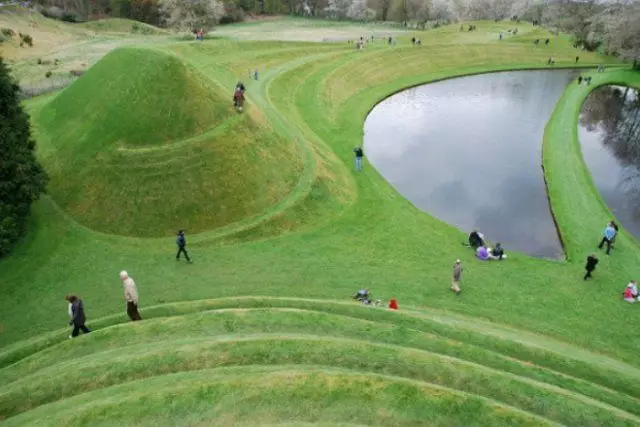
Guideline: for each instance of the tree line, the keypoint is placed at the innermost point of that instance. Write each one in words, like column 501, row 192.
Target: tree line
column 613, row 26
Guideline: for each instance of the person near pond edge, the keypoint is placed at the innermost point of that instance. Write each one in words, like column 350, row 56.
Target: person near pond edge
column 476, row 239
column 78, row 318
column 592, row 261
column 615, row 226
column 359, row 156
column 457, row 277
column 181, row 241
column 482, row 253
column 497, row 252
column 607, row 237
column 130, row 295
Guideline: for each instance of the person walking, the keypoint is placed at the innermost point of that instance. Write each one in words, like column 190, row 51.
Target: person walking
column 181, row 241
column 615, row 227
column 457, row 276
column 359, row 156
column 592, row 261
column 607, row 237
column 130, row 295
column 78, row 318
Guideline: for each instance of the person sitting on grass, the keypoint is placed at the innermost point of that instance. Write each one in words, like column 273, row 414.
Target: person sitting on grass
column 497, row 252
column 361, row 295
column 482, row 253
column 393, row 304
column 628, row 294
column 475, row 239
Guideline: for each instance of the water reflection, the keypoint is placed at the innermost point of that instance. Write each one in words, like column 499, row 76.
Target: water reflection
column 610, row 139
column 468, row 151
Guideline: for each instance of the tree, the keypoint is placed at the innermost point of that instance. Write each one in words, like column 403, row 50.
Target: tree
column 622, row 30
column 385, row 5
column 358, row 10
column 337, row 9
column 417, row 10
column 192, row 14
column 22, row 179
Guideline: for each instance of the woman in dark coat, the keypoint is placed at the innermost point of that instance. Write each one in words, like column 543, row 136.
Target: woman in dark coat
column 77, row 316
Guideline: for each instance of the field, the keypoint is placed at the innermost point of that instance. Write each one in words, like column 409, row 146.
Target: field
column 260, row 329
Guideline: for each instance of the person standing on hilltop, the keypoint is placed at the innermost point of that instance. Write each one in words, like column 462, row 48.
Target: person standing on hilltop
column 181, row 241
column 130, row 295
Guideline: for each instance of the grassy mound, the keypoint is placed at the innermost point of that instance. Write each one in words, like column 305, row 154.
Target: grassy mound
column 133, row 98
column 152, row 146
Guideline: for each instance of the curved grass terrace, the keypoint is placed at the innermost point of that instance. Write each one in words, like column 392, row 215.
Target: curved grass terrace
column 260, row 329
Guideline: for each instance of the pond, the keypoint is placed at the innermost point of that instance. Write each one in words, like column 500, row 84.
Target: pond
column 469, row 151
column 609, row 133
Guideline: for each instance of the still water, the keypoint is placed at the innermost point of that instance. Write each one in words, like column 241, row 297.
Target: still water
column 609, row 135
column 468, row 151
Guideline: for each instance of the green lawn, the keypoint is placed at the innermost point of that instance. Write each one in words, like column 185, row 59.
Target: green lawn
column 276, row 213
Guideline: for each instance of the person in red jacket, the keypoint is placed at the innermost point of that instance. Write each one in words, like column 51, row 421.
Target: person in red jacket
column 393, row 304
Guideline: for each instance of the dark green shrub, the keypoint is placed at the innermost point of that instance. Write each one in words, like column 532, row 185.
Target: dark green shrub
column 48, row 74
column 69, row 17
column 26, row 39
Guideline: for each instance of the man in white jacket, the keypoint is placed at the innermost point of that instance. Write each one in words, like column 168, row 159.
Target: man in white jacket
column 131, row 296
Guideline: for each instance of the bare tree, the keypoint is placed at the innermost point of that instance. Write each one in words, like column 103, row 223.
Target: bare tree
column 358, row 10
column 384, row 5
column 622, row 29
column 441, row 10
column 191, row 14
column 418, row 10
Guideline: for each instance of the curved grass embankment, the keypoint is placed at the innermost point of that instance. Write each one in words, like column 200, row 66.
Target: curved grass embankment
column 320, row 335
column 277, row 345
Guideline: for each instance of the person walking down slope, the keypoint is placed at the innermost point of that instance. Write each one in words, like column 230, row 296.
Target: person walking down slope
column 592, row 261
column 359, row 156
column 78, row 318
column 181, row 241
column 457, row 276
column 130, row 295
column 607, row 237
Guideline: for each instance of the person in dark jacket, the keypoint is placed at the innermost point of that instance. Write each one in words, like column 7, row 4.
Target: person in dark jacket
column 78, row 318
column 591, row 265
column 181, row 241
column 475, row 240
column 359, row 156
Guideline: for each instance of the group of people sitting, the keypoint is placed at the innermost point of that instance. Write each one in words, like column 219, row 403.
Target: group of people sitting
column 483, row 252
column 365, row 298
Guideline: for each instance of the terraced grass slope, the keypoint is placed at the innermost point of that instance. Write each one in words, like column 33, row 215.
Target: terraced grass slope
column 260, row 329
column 142, row 145
column 269, row 361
